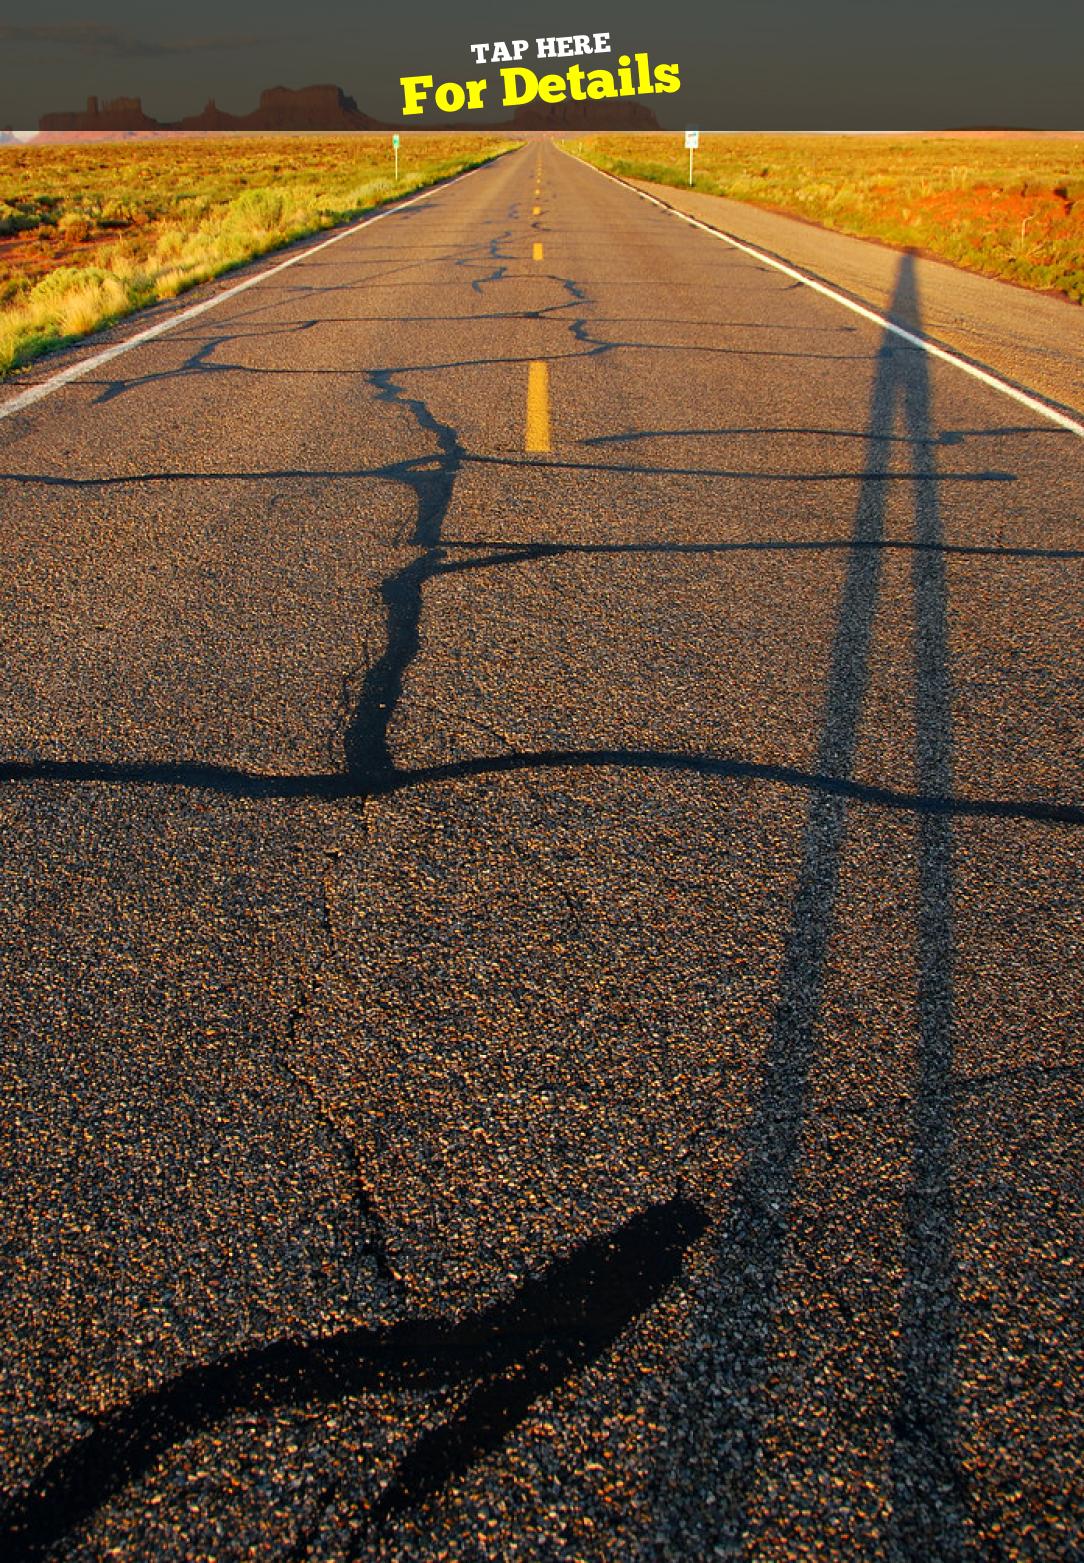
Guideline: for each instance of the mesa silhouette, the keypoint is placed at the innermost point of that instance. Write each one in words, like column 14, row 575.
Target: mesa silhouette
column 327, row 107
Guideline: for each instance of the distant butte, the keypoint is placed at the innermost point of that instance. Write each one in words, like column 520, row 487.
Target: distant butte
column 281, row 108
column 327, row 107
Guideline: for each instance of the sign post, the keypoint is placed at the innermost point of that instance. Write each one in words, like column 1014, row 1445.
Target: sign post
column 692, row 141
column 395, row 148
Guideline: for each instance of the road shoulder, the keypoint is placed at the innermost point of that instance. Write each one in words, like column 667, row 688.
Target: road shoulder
column 1032, row 339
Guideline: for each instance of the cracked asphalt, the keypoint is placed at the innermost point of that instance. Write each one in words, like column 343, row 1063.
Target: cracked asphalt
column 541, row 990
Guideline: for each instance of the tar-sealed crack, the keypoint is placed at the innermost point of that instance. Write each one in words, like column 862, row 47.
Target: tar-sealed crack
column 502, row 1358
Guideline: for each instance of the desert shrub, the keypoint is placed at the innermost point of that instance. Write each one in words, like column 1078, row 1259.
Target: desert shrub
column 115, row 214
column 169, row 284
column 188, row 211
column 19, row 216
column 258, row 210
column 74, row 227
column 168, row 244
column 65, row 279
column 14, row 220
column 89, row 304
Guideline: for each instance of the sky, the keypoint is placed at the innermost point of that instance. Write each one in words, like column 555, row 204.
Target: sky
column 745, row 64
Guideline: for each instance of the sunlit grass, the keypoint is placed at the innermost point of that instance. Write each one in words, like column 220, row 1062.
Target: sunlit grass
column 1008, row 208
column 90, row 233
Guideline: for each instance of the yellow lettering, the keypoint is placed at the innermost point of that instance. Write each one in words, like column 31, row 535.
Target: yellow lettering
column 553, row 89
column 413, row 92
column 515, row 96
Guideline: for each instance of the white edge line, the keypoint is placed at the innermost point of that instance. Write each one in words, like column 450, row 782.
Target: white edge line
column 35, row 393
column 1004, row 386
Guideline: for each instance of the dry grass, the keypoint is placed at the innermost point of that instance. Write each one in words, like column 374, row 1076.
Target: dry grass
column 89, row 233
column 1010, row 208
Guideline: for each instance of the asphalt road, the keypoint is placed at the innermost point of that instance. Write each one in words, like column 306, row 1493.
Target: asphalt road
column 540, row 984
column 1034, row 339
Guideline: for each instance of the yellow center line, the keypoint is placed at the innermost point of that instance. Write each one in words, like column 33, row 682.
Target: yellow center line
column 536, row 211
column 537, row 434
column 536, row 253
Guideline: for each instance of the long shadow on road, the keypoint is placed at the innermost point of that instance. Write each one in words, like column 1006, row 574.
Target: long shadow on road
column 728, row 1373
column 507, row 1356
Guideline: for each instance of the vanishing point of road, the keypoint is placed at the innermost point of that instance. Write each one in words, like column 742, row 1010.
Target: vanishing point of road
column 540, row 782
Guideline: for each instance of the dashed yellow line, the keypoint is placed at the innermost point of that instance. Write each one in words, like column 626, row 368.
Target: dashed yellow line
column 536, row 253
column 536, row 211
column 537, row 434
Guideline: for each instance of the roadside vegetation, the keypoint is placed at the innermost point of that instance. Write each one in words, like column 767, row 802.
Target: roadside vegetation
column 91, row 232
column 1007, row 207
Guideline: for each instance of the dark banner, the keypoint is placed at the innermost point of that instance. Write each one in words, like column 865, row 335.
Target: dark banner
column 748, row 64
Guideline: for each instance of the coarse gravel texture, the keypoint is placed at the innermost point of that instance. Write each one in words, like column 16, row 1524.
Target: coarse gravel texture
column 541, row 991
